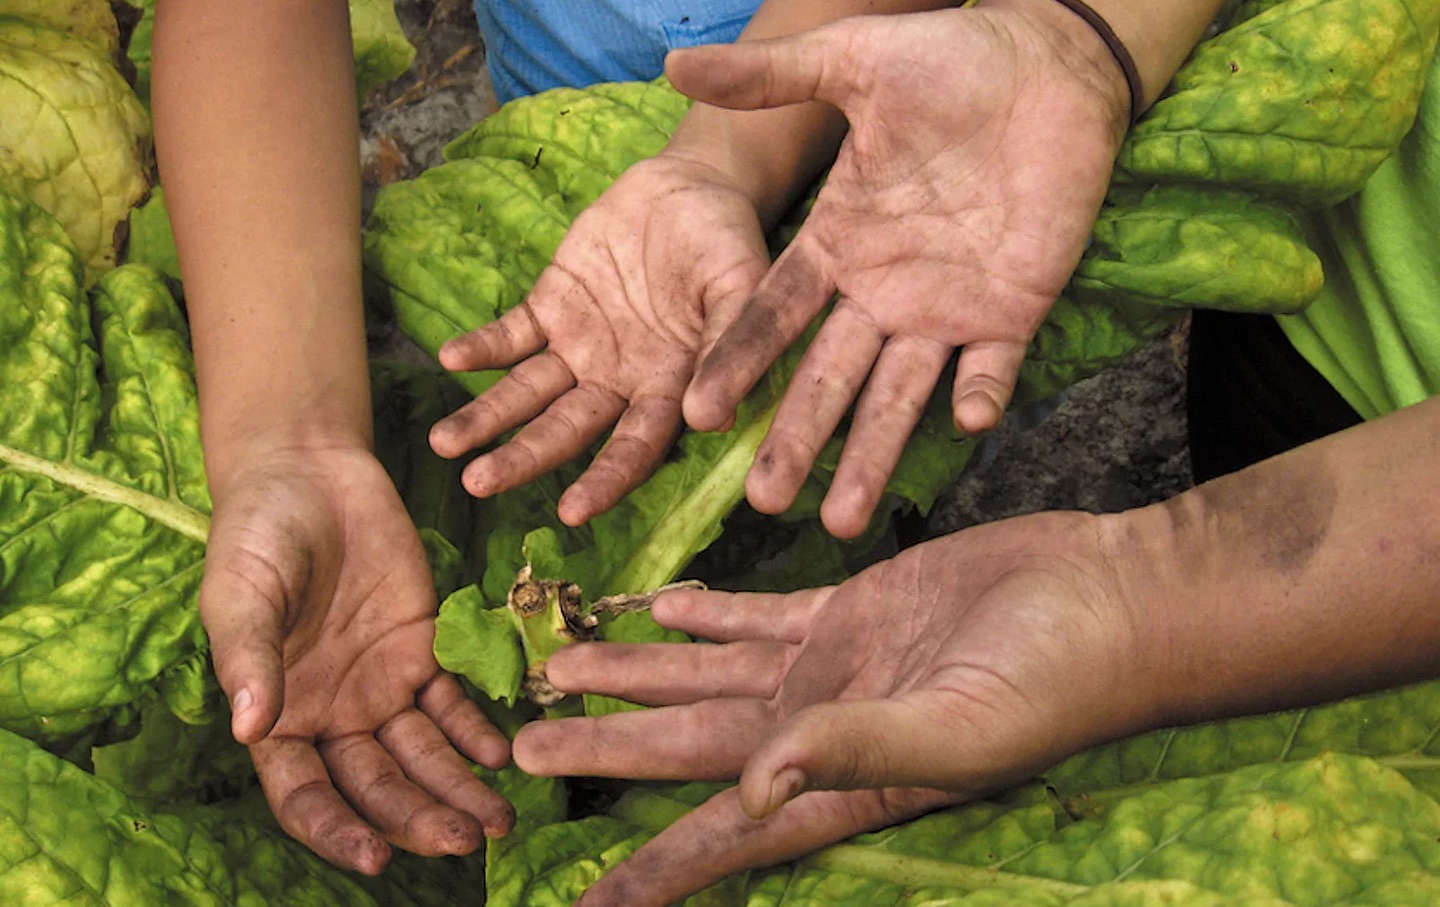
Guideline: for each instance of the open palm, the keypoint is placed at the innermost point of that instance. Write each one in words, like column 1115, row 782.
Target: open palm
column 320, row 610
column 981, row 143
column 959, row 667
column 644, row 280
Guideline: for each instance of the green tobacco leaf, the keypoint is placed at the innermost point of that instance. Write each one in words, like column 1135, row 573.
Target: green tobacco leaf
column 578, row 141
column 91, row 20
column 1078, row 341
column 170, row 761
column 480, row 641
column 151, row 240
column 407, row 399
column 382, row 52
column 103, row 503
column 447, row 564
column 73, row 138
column 1196, row 248
column 1334, row 830
column 140, row 49
column 537, row 801
column 68, row 838
column 1302, row 100
column 1400, row 729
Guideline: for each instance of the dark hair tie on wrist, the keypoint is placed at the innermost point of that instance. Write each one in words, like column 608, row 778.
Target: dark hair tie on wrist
column 1117, row 49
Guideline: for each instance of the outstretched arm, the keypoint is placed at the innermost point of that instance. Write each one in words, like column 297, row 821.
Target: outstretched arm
column 1013, row 645
column 316, row 597
column 1306, row 577
column 257, row 134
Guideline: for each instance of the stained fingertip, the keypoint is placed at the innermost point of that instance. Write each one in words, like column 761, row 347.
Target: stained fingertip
column 443, row 440
column 771, row 485
column 462, row 835
column 478, row 480
column 359, row 848
column 455, row 834
column 500, row 821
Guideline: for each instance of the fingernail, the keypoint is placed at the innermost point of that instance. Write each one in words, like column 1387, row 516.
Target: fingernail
column 784, row 788
column 243, row 700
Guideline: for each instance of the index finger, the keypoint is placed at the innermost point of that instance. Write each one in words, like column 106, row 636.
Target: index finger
column 707, row 740
column 735, row 616
column 787, row 300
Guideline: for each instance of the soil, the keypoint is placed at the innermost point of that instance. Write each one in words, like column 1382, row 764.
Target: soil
column 1117, row 441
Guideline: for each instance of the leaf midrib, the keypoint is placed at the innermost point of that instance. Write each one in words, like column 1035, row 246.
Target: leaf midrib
column 185, row 520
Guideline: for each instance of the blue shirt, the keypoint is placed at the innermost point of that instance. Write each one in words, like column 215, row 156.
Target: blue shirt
column 532, row 45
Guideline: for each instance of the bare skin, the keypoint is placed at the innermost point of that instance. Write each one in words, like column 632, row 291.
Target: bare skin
column 356, row 733
column 643, row 283
column 924, row 681
column 308, row 617
column 316, row 596
column 609, row 332
column 975, row 660
column 949, row 221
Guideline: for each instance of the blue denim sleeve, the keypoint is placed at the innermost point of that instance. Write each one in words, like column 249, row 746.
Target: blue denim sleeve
column 533, row 45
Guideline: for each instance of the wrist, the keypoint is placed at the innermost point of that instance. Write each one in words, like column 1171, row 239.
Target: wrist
column 1146, row 551
column 768, row 156
column 723, row 163
column 1204, row 617
column 234, row 452
column 1081, row 49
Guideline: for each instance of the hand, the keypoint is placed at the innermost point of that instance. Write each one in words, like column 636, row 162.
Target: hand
column 961, row 666
column 643, row 282
column 981, row 143
column 320, row 610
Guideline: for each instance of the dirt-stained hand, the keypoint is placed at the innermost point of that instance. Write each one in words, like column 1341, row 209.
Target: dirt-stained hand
column 321, row 615
column 646, row 278
column 981, row 143
column 961, row 666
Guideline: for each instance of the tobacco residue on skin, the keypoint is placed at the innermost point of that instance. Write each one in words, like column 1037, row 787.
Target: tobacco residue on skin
column 1280, row 516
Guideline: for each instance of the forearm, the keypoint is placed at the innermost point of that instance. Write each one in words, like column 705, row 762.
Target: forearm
column 257, row 137
column 1304, row 578
column 774, row 154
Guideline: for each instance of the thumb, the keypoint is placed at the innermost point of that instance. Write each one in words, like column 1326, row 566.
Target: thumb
column 242, row 604
column 751, row 75
column 909, row 741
